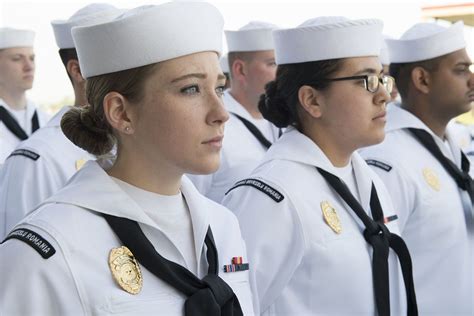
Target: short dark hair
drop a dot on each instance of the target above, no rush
(402, 72)
(66, 55)
(233, 56)
(279, 104)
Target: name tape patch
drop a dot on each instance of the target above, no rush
(389, 219)
(38, 243)
(261, 186)
(26, 153)
(378, 164)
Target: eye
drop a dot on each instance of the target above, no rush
(220, 91)
(190, 90)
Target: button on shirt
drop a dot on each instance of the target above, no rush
(433, 213)
(240, 154)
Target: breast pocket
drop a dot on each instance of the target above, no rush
(157, 304)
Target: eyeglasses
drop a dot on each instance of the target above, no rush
(371, 82)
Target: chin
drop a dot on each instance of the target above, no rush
(206, 167)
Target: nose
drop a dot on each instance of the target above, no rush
(217, 113)
(381, 96)
(28, 64)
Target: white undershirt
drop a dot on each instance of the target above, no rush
(171, 214)
(347, 175)
(22, 119)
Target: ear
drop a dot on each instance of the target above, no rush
(116, 110)
(74, 70)
(309, 99)
(420, 78)
(239, 70)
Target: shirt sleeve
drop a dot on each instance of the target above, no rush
(32, 285)
(24, 183)
(274, 238)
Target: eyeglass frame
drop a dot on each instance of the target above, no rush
(366, 81)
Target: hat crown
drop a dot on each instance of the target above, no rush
(91, 9)
(258, 25)
(421, 30)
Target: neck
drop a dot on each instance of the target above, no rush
(79, 98)
(135, 170)
(338, 154)
(247, 102)
(433, 120)
(16, 100)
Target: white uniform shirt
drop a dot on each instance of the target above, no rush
(77, 280)
(432, 213)
(26, 182)
(240, 154)
(8, 141)
(302, 266)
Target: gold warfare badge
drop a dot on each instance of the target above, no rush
(330, 217)
(125, 270)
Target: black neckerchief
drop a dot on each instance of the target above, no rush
(255, 131)
(210, 296)
(381, 239)
(13, 126)
(460, 176)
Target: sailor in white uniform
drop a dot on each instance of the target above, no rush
(19, 117)
(320, 228)
(423, 167)
(42, 164)
(132, 236)
(247, 134)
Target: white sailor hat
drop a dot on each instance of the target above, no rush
(425, 41)
(10, 37)
(384, 53)
(325, 38)
(94, 13)
(254, 36)
(224, 61)
(148, 35)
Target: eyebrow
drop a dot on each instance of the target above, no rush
(464, 63)
(368, 70)
(196, 75)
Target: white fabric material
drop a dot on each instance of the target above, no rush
(425, 41)
(10, 37)
(325, 38)
(91, 14)
(254, 36)
(25, 183)
(433, 223)
(384, 53)
(109, 47)
(224, 62)
(77, 279)
(240, 154)
(302, 266)
(8, 141)
(171, 215)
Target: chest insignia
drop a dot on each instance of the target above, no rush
(125, 270)
(330, 217)
(80, 163)
(431, 178)
(237, 265)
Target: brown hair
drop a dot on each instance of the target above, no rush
(233, 56)
(87, 127)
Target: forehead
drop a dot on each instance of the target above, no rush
(263, 55)
(356, 64)
(26, 51)
(459, 56)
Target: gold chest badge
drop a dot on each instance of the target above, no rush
(431, 178)
(330, 217)
(125, 270)
(80, 163)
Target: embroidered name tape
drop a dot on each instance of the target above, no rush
(261, 186)
(38, 243)
(379, 164)
(237, 265)
(26, 153)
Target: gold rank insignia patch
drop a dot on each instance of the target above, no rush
(330, 217)
(80, 163)
(431, 178)
(125, 270)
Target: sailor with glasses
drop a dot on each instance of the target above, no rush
(423, 167)
(320, 228)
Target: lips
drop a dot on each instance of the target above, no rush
(216, 140)
(380, 115)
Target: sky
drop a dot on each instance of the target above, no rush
(52, 85)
